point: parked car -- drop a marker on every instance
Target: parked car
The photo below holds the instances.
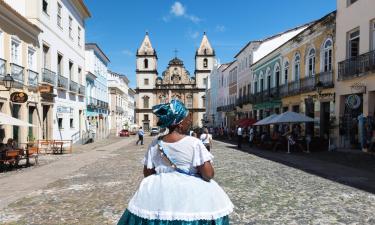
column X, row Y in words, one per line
column 124, row 133
column 154, row 131
column 132, row 132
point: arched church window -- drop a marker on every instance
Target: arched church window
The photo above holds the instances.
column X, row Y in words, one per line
column 205, row 62
column 145, row 62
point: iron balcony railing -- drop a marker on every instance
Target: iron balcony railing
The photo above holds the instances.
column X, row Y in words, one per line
column 48, row 76
column 356, row 66
column 82, row 90
column 73, row 86
column 62, row 82
column 92, row 102
column 2, row 67
column 307, row 84
column 33, row 78
column 17, row 72
column 326, row 78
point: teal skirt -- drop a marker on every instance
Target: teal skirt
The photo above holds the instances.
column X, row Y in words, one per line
column 129, row 218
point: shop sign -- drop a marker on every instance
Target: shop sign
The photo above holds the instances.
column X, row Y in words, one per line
column 45, row 89
column 18, row 97
column 323, row 96
column 353, row 101
column 267, row 105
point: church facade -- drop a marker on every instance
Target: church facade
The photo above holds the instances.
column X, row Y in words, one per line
column 174, row 82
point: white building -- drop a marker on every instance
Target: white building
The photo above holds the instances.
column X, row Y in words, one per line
column 355, row 58
column 97, row 91
column 118, row 102
column 62, row 61
column 131, row 107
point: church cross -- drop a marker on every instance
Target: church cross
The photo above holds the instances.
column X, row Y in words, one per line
column 175, row 53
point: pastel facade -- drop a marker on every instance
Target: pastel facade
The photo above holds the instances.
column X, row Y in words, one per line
column 97, row 91
column 19, row 57
column 355, row 58
column 118, row 102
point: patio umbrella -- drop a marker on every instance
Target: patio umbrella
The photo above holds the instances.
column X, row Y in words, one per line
column 9, row 120
column 290, row 117
column 265, row 120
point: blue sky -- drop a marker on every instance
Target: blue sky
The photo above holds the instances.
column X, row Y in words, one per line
column 119, row 26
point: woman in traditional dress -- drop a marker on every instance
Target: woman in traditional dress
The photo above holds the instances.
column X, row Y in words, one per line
column 178, row 188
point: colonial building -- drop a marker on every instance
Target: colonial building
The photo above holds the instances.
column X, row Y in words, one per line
column 131, row 107
column 118, row 102
column 62, row 58
column 175, row 82
column 19, row 51
column 355, row 86
column 97, row 91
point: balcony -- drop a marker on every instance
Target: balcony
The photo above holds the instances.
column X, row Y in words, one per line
column 2, row 67
column 326, row 78
column 33, row 78
column 307, row 84
column 82, row 90
column 62, row 82
column 48, row 77
column 92, row 102
column 17, row 73
column 356, row 66
column 73, row 86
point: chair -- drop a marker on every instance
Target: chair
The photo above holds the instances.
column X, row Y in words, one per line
column 44, row 146
column 33, row 152
column 11, row 158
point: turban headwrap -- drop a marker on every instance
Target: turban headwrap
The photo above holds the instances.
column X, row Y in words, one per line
column 170, row 114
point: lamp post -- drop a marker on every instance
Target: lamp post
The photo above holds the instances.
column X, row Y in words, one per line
column 8, row 82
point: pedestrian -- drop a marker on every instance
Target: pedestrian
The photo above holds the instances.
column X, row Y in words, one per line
column 206, row 139
column 178, row 187
column 251, row 135
column 239, row 136
column 141, row 133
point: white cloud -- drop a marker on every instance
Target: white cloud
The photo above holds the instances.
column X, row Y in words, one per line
column 193, row 34
column 127, row 52
column 220, row 28
column 178, row 9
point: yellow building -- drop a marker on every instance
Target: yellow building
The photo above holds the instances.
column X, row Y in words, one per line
column 308, row 74
column 19, row 52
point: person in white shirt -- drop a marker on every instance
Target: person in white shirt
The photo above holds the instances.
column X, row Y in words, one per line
column 239, row 136
column 206, row 139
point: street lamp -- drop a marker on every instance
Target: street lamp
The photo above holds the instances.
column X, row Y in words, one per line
column 8, row 82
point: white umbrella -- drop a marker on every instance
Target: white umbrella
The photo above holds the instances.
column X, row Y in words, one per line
column 265, row 120
column 9, row 120
column 290, row 117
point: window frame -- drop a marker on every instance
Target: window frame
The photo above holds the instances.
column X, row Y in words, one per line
column 146, row 81
column 79, row 33
column 286, row 72
column 326, row 57
column 311, row 62
column 17, row 52
column 70, row 27
column 350, row 2
column 349, row 41
column 372, row 35
column 297, row 67
column 59, row 15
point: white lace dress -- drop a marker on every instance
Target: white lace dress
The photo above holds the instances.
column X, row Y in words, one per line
column 170, row 195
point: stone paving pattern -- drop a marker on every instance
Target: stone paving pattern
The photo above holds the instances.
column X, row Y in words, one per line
column 263, row 192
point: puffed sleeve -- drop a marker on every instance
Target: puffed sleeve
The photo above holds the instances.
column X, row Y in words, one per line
column 148, row 160
column 201, row 155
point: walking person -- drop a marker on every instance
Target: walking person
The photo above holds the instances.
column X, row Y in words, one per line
column 141, row 133
column 251, row 136
column 178, row 188
column 206, row 139
column 239, row 137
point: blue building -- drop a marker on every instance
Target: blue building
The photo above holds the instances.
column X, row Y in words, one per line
column 97, row 91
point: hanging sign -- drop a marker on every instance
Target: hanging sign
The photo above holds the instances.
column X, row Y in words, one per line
column 18, row 97
column 45, row 89
column 353, row 101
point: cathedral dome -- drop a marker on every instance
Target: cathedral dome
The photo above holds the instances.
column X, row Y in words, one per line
column 176, row 62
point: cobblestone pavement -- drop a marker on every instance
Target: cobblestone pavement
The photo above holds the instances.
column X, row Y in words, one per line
column 263, row 192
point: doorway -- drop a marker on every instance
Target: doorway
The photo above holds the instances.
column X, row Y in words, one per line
column 16, row 129
column 46, row 112
column 324, row 119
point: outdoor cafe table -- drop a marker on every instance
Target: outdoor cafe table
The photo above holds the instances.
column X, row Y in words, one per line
column 58, row 147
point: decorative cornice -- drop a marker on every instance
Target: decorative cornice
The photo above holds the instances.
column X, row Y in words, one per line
column 202, row 71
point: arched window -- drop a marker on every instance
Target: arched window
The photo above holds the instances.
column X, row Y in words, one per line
column 145, row 62
column 297, row 67
column 311, row 63
column 327, row 56
column 286, row 72
column 146, row 102
column 277, row 75
column 205, row 63
column 269, row 79
column 261, row 82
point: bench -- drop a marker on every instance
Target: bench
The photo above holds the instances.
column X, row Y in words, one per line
column 33, row 152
